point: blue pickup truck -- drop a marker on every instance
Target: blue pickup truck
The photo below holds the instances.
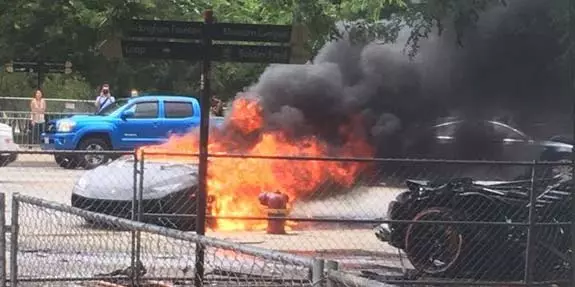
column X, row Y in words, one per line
column 123, row 125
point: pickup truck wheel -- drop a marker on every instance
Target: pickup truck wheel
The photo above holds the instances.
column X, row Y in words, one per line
column 91, row 161
column 67, row 162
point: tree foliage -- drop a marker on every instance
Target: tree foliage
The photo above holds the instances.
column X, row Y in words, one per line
column 75, row 30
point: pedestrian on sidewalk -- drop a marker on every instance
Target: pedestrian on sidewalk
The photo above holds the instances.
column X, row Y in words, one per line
column 37, row 117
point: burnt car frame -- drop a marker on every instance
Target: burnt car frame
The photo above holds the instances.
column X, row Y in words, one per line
column 495, row 247
column 168, row 195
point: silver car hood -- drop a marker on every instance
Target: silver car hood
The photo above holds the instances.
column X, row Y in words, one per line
column 115, row 181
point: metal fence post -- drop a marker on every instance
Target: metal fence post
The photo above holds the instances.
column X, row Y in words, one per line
column 139, row 219
column 317, row 272
column 2, row 240
column 329, row 266
column 531, row 231
column 14, row 229
column 134, row 217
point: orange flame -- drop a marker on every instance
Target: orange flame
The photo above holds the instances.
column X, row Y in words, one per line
column 235, row 183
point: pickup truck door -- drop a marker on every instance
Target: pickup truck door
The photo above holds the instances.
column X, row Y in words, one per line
column 179, row 117
column 144, row 128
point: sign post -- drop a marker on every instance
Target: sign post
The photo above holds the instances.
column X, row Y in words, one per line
column 204, row 137
column 193, row 41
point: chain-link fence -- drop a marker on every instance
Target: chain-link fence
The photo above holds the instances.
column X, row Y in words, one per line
column 49, row 242
column 460, row 222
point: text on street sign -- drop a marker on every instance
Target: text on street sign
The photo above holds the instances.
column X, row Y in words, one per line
column 251, row 32
column 161, row 50
column 165, row 29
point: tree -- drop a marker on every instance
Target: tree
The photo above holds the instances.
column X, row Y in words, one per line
column 75, row 29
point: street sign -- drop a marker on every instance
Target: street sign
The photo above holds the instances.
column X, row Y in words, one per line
column 165, row 29
column 161, row 50
column 24, row 67
column 44, row 67
column 250, row 53
column 194, row 51
column 218, row 31
column 250, row 32
column 60, row 68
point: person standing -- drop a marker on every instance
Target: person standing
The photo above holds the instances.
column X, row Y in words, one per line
column 217, row 106
column 105, row 98
column 37, row 116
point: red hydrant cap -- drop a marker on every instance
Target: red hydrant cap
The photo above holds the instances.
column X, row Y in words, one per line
column 275, row 198
column 263, row 198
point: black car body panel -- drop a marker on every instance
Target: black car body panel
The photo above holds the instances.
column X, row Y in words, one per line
column 480, row 140
column 472, row 140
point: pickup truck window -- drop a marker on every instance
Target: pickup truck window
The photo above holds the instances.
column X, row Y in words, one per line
column 145, row 110
column 178, row 110
column 109, row 109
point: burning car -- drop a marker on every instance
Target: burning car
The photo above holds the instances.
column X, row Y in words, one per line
column 481, row 251
column 168, row 188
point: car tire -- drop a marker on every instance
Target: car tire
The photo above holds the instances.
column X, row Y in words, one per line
column 418, row 238
column 93, row 144
column 66, row 161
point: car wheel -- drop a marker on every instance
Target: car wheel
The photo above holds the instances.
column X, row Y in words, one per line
column 65, row 161
column 434, row 249
column 91, row 161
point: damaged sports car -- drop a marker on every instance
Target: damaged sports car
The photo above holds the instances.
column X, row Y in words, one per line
column 168, row 189
column 482, row 250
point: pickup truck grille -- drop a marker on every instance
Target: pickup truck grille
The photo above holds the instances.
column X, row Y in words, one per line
column 51, row 128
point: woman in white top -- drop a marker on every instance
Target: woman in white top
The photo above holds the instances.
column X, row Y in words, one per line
column 37, row 116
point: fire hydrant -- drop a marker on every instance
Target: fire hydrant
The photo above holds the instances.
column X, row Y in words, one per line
column 276, row 203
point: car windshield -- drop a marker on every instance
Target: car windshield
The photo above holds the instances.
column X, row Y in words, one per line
column 112, row 107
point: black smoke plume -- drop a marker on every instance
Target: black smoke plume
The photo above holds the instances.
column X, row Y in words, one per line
column 505, row 67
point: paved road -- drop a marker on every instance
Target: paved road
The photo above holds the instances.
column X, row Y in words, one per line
column 55, row 244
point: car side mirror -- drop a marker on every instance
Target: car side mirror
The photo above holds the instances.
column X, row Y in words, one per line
column 127, row 114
